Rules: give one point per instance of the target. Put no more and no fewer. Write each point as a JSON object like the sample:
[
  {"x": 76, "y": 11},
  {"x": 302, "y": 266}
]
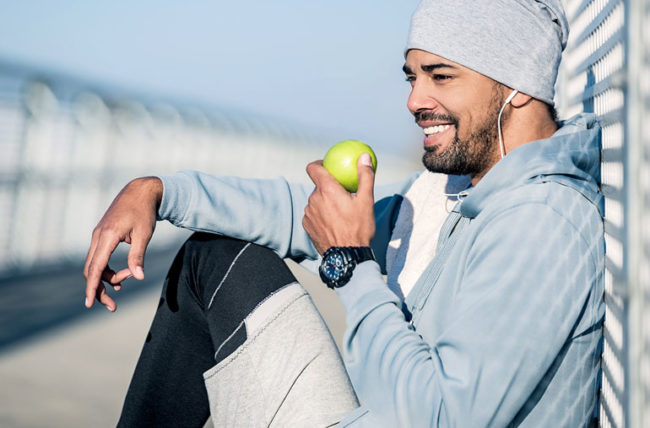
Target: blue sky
[{"x": 331, "y": 64}]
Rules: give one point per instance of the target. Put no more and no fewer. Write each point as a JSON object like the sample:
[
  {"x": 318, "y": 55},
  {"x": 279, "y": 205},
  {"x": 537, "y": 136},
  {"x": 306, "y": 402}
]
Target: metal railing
[
  {"x": 605, "y": 71},
  {"x": 67, "y": 147}
]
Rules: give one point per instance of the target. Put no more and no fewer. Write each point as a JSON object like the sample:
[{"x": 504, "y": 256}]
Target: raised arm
[
  {"x": 267, "y": 212},
  {"x": 260, "y": 211}
]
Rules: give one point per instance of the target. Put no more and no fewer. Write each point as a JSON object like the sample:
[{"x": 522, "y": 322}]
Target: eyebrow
[{"x": 428, "y": 68}]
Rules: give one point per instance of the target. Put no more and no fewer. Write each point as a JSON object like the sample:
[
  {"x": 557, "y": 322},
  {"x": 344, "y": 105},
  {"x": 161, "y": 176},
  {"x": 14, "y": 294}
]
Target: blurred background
[{"x": 93, "y": 94}]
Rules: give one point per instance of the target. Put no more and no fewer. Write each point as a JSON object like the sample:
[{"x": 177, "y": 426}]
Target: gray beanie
[{"x": 516, "y": 42}]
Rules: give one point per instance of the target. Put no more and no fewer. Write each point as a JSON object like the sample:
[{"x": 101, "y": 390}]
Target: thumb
[
  {"x": 136, "y": 256},
  {"x": 366, "y": 175}
]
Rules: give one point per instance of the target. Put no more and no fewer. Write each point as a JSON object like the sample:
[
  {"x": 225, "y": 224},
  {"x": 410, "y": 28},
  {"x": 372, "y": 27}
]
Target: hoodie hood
[{"x": 570, "y": 157}]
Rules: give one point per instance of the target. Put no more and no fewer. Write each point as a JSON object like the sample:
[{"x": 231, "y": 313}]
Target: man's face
[{"x": 457, "y": 109}]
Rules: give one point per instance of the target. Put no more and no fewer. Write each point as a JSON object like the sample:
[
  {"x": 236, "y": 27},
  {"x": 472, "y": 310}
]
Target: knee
[
  {"x": 203, "y": 247},
  {"x": 208, "y": 258},
  {"x": 203, "y": 259},
  {"x": 210, "y": 249}
]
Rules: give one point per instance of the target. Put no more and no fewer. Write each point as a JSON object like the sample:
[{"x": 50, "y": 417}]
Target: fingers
[
  {"x": 104, "y": 298},
  {"x": 91, "y": 252},
  {"x": 322, "y": 177},
  {"x": 317, "y": 172},
  {"x": 115, "y": 278},
  {"x": 98, "y": 262},
  {"x": 366, "y": 176},
  {"x": 139, "y": 242},
  {"x": 123, "y": 274}
]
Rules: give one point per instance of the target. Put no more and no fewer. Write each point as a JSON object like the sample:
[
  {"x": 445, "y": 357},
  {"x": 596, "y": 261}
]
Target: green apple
[{"x": 341, "y": 161}]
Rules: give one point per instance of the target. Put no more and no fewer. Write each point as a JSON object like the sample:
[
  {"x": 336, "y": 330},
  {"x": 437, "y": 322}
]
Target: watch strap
[{"x": 361, "y": 254}]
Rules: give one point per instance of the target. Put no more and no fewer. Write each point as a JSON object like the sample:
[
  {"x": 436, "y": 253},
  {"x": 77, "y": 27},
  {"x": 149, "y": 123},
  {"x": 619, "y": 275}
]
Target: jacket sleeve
[
  {"x": 519, "y": 297},
  {"x": 267, "y": 212}
]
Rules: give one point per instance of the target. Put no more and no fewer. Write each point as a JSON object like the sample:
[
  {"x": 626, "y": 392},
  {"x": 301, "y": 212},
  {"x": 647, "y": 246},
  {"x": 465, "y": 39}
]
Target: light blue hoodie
[{"x": 504, "y": 325}]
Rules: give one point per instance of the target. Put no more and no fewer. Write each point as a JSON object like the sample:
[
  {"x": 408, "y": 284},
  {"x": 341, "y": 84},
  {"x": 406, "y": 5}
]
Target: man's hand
[
  {"x": 131, "y": 218},
  {"x": 336, "y": 218}
]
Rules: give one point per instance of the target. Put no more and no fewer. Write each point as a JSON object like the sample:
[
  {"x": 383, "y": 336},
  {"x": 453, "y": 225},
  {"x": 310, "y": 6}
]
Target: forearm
[
  {"x": 266, "y": 212},
  {"x": 390, "y": 365}
]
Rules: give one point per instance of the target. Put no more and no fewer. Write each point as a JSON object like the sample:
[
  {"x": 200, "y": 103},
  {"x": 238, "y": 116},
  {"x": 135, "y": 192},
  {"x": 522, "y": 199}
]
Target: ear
[{"x": 520, "y": 100}]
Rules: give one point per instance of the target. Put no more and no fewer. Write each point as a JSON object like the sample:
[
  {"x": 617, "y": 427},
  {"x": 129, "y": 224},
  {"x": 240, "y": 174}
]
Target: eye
[
  {"x": 409, "y": 78},
  {"x": 441, "y": 77}
]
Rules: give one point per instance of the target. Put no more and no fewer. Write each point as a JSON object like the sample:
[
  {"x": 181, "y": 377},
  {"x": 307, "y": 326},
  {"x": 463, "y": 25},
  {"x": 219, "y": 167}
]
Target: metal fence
[
  {"x": 605, "y": 71},
  {"x": 67, "y": 147}
]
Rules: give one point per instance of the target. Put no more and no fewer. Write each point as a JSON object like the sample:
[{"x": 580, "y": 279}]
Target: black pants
[{"x": 212, "y": 285}]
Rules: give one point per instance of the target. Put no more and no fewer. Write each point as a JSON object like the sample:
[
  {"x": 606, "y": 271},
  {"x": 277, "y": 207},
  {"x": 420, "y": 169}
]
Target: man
[{"x": 501, "y": 327}]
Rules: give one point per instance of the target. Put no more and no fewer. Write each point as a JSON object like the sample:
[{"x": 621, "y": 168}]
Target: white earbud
[
  {"x": 511, "y": 96},
  {"x": 502, "y": 146}
]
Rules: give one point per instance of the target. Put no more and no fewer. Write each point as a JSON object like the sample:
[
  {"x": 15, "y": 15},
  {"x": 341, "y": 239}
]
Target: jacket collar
[{"x": 571, "y": 156}]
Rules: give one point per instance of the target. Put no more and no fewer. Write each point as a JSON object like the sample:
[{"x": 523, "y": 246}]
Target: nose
[{"x": 421, "y": 97}]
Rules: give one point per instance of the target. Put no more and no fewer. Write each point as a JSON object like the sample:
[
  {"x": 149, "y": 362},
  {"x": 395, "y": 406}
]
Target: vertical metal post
[{"x": 634, "y": 153}]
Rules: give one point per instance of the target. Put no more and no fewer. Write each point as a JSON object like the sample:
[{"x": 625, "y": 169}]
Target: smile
[{"x": 431, "y": 130}]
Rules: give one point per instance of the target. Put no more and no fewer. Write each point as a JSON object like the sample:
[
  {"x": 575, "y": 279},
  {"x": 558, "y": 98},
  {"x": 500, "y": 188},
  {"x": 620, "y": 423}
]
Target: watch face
[
  {"x": 333, "y": 266},
  {"x": 338, "y": 263}
]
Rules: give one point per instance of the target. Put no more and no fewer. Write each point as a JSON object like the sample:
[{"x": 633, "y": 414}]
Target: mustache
[{"x": 428, "y": 115}]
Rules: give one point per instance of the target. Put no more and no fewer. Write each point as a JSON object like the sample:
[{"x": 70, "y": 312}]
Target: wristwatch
[{"x": 339, "y": 262}]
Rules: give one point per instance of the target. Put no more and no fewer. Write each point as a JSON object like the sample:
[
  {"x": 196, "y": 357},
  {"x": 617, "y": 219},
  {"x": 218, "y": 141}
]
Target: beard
[{"x": 469, "y": 156}]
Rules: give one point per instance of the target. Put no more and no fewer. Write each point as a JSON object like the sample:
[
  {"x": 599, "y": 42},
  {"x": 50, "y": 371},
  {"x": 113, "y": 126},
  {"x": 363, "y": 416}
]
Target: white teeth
[{"x": 435, "y": 129}]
